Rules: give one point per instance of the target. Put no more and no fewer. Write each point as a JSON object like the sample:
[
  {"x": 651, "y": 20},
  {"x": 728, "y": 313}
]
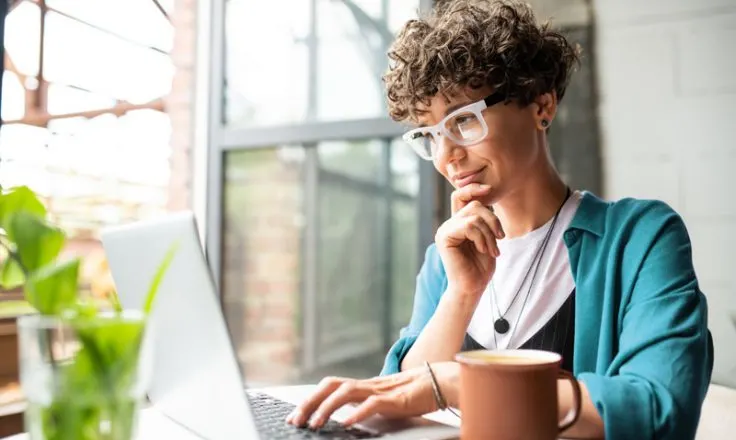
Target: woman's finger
[
  {"x": 491, "y": 220},
  {"x": 476, "y": 210},
  {"x": 348, "y": 392},
  {"x": 462, "y": 196},
  {"x": 376, "y": 404},
  {"x": 478, "y": 232},
  {"x": 479, "y": 220},
  {"x": 459, "y": 230},
  {"x": 304, "y": 411}
]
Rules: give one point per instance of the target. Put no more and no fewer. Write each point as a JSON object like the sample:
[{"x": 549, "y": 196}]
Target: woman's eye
[{"x": 465, "y": 120}]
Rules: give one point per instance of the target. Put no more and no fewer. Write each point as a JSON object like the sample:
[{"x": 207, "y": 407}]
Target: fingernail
[
  {"x": 316, "y": 423},
  {"x": 297, "y": 418}
]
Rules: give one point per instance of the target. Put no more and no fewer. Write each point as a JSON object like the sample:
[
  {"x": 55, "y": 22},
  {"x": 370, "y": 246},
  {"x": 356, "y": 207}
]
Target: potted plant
[{"x": 84, "y": 366}]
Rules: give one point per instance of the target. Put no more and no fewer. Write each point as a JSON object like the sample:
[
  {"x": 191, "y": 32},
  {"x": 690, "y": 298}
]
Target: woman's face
[{"x": 505, "y": 157}]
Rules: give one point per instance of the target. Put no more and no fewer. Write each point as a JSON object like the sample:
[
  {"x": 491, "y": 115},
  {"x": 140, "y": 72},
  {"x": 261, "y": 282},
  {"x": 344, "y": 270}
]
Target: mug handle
[{"x": 574, "y": 413}]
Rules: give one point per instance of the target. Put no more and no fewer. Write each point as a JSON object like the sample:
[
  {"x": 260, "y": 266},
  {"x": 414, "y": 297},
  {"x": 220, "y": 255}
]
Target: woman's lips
[{"x": 463, "y": 179}]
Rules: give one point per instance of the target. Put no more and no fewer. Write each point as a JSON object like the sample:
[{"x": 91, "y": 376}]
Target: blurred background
[{"x": 268, "y": 119}]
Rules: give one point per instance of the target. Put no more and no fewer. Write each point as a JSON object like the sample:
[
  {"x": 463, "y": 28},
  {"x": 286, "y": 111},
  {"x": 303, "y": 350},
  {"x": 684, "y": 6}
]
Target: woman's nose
[{"x": 447, "y": 150}]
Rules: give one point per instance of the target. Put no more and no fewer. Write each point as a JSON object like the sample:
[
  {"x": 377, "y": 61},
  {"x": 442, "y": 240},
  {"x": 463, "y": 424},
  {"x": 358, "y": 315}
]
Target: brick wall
[
  {"x": 666, "y": 86},
  {"x": 180, "y": 104},
  {"x": 261, "y": 264}
]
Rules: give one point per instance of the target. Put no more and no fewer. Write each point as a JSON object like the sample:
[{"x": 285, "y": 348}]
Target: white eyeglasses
[{"x": 465, "y": 126}]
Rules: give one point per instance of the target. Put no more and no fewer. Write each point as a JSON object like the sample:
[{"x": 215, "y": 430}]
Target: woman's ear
[{"x": 546, "y": 109}]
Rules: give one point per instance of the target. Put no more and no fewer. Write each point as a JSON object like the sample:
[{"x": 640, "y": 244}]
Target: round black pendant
[{"x": 501, "y": 325}]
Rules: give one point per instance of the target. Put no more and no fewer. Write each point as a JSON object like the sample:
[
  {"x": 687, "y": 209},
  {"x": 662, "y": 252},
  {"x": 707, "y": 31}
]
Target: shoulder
[
  {"x": 630, "y": 232},
  {"x": 645, "y": 211},
  {"x": 620, "y": 219},
  {"x": 617, "y": 220},
  {"x": 643, "y": 220},
  {"x": 651, "y": 242}
]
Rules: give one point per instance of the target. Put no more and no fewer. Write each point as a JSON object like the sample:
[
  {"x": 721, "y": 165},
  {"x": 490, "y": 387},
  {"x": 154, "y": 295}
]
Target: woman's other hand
[
  {"x": 466, "y": 242},
  {"x": 406, "y": 394}
]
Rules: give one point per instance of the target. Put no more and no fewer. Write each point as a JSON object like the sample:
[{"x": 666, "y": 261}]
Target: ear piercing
[{"x": 545, "y": 123}]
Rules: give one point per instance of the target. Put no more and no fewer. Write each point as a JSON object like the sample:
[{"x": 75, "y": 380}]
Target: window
[
  {"x": 290, "y": 61},
  {"x": 84, "y": 121},
  {"x": 324, "y": 214},
  {"x": 319, "y": 258}
]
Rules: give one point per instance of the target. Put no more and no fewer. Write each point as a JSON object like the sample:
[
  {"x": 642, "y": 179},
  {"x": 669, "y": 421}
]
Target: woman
[{"x": 609, "y": 285}]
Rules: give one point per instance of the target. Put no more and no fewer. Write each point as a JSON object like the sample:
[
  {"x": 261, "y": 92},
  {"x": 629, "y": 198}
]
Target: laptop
[{"x": 196, "y": 380}]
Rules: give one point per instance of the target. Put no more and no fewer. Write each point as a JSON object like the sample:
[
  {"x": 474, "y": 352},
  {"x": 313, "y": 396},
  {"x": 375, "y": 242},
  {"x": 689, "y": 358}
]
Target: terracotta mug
[{"x": 512, "y": 394}]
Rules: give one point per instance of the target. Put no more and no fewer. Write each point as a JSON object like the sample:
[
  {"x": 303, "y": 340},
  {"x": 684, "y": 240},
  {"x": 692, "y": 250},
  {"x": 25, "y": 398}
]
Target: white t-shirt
[{"x": 553, "y": 284}]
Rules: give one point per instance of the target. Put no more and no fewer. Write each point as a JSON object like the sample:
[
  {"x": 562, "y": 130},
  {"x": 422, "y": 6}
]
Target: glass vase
[{"x": 84, "y": 378}]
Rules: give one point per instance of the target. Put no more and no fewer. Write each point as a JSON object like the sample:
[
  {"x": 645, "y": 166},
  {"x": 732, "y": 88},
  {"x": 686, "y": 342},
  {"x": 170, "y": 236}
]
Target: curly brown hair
[{"x": 476, "y": 43}]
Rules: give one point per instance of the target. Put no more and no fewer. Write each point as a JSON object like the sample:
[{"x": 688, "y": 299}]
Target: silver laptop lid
[{"x": 196, "y": 377}]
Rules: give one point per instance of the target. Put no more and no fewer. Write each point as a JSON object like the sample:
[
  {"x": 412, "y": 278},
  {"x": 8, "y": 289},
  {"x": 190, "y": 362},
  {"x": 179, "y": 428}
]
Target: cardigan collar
[{"x": 590, "y": 215}]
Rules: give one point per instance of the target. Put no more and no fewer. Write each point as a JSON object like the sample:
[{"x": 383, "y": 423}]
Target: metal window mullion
[
  {"x": 215, "y": 172},
  {"x": 310, "y": 293},
  {"x": 45, "y": 8},
  {"x": 161, "y": 10},
  {"x": 387, "y": 242},
  {"x": 311, "y": 132},
  {"x": 363, "y": 186},
  {"x": 426, "y": 208},
  {"x": 41, "y": 98},
  {"x": 310, "y": 262}
]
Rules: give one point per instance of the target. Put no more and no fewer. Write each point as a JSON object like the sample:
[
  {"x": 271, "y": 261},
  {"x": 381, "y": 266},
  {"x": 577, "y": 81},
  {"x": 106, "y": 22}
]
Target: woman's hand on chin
[
  {"x": 405, "y": 394},
  {"x": 466, "y": 242}
]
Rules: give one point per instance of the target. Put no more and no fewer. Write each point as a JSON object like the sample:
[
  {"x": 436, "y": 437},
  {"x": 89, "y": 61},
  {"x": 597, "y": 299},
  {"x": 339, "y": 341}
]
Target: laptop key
[{"x": 269, "y": 414}]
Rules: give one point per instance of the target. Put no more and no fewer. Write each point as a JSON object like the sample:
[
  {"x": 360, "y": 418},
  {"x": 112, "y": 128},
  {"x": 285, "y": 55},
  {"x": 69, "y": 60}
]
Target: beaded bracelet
[{"x": 438, "y": 397}]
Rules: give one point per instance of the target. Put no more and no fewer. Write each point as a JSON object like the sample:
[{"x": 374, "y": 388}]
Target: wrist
[
  {"x": 460, "y": 306},
  {"x": 463, "y": 298},
  {"x": 448, "y": 379}
]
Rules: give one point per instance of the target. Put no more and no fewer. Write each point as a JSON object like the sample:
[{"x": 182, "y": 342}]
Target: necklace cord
[{"x": 536, "y": 262}]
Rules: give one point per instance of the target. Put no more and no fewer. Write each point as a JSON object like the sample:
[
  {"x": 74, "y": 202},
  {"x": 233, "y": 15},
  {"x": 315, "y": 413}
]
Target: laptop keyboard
[{"x": 269, "y": 414}]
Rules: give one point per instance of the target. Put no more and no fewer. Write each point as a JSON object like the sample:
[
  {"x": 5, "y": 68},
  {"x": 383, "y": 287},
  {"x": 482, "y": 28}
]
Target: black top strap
[{"x": 557, "y": 335}]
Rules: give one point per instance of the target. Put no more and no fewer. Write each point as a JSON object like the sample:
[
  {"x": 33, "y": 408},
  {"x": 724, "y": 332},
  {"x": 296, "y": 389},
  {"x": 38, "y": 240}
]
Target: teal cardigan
[{"x": 642, "y": 344}]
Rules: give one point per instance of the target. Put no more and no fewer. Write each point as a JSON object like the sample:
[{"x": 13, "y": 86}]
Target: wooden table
[{"x": 11, "y": 402}]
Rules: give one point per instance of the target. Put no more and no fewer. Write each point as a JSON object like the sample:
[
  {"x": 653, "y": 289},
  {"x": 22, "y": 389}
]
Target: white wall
[
  {"x": 667, "y": 84},
  {"x": 562, "y": 13}
]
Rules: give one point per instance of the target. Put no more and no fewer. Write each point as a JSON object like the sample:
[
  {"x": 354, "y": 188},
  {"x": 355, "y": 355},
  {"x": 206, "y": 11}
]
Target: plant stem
[
  {"x": 14, "y": 256},
  {"x": 49, "y": 332}
]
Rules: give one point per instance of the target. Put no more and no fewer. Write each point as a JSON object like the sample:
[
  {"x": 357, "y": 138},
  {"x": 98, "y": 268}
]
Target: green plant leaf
[
  {"x": 37, "y": 242},
  {"x": 53, "y": 288},
  {"x": 11, "y": 275},
  {"x": 158, "y": 277},
  {"x": 19, "y": 199},
  {"x": 97, "y": 386},
  {"x": 84, "y": 309},
  {"x": 115, "y": 301}
]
